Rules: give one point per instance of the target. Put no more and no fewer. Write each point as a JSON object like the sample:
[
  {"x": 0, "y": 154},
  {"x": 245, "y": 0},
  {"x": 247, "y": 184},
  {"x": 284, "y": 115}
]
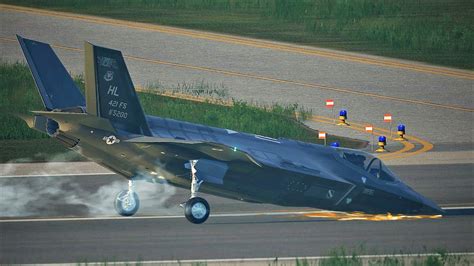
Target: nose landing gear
[
  {"x": 196, "y": 209},
  {"x": 127, "y": 202}
]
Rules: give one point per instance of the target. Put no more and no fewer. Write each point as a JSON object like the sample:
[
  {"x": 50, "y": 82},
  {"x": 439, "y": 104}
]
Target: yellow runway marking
[
  {"x": 274, "y": 80},
  {"x": 407, "y": 146},
  {"x": 247, "y": 42},
  {"x": 402, "y": 153}
]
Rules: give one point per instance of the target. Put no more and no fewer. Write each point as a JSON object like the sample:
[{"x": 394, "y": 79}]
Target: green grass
[
  {"x": 19, "y": 96},
  {"x": 338, "y": 257},
  {"x": 434, "y": 31}
]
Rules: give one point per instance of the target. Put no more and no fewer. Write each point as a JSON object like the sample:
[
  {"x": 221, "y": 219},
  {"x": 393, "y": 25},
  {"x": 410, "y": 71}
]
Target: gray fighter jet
[{"x": 109, "y": 127}]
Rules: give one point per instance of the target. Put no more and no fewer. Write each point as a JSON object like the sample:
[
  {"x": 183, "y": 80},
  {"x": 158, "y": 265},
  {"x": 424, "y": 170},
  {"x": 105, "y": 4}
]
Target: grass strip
[{"x": 433, "y": 31}]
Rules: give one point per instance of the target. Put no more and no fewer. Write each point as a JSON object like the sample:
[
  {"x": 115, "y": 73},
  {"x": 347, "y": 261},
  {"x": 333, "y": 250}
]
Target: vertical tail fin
[
  {"x": 55, "y": 85},
  {"x": 110, "y": 92}
]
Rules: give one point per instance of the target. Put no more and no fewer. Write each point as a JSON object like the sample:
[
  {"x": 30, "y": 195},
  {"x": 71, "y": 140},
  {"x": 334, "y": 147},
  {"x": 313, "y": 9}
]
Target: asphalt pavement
[
  {"x": 71, "y": 219},
  {"x": 223, "y": 237}
]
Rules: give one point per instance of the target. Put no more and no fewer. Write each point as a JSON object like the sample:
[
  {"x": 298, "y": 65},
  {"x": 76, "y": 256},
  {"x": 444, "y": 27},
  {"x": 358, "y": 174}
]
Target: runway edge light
[
  {"x": 382, "y": 143},
  {"x": 335, "y": 144},
  {"x": 401, "y": 133},
  {"x": 343, "y": 118}
]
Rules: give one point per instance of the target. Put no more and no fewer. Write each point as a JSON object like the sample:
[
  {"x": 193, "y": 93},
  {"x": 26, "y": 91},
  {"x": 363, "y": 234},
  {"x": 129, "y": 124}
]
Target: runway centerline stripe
[
  {"x": 246, "y": 42},
  {"x": 276, "y": 80}
]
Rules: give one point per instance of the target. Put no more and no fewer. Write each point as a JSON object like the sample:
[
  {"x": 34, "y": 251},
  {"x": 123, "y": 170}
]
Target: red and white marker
[
  {"x": 387, "y": 118},
  {"x": 369, "y": 129},
  {"x": 329, "y": 103},
  {"x": 322, "y": 135}
]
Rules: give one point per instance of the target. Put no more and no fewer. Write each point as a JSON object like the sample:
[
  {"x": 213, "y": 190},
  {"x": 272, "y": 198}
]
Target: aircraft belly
[
  {"x": 237, "y": 178},
  {"x": 331, "y": 194},
  {"x": 314, "y": 191}
]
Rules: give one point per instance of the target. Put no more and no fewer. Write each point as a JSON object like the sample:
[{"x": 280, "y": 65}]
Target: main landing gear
[
  {"x": 127, "y": 202},
  {"x": 196, "y": 209}
]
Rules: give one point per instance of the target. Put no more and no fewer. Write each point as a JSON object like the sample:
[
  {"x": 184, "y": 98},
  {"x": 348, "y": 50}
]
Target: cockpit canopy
[{"x": 369, "y": 163}]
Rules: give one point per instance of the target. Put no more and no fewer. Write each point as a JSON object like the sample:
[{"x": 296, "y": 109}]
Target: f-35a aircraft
[{"x": 109, "y": 127}]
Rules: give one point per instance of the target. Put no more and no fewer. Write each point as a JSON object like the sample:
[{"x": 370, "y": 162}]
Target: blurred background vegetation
[{"x": 433, "y": 31}]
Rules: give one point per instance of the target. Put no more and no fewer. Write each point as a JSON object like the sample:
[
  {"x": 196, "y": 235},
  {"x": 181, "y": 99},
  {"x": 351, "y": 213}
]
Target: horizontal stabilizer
[
  {"x": 37, "y": 122},
  {"x": 85, "y": 119},
  {"x": 146, "y": 139}
]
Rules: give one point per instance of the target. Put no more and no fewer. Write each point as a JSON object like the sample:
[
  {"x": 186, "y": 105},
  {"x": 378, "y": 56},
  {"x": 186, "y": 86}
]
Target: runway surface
[
  {"x": 235, "y": 237},
  {"x": 235, "y": 230},
  {"x": 435, "y": 103},
  {"x": 89, "y": 195}
]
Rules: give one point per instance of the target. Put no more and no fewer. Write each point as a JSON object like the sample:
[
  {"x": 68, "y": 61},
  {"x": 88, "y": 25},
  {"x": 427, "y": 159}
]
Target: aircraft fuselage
[{"x": 320, "y": 178}]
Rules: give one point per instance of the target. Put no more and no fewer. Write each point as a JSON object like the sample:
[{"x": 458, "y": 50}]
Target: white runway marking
[
  {"x": 249, "y": 214},
  {"x": 62, "y": 219},
  {"x": 265, "y": 261},
  {"x": 58, "y": 175},
  {"x": 458, "y": 208}
]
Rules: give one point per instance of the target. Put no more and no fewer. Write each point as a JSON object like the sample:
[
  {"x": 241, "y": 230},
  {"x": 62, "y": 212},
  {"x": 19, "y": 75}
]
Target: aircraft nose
[
  {"x": 427, "y": 206},
  {"x": 430, "y": 207}
]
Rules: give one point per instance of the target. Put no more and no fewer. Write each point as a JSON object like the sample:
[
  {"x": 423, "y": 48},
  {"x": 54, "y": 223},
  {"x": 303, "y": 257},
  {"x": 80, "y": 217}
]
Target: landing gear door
[{"x": 210, "y": 171}]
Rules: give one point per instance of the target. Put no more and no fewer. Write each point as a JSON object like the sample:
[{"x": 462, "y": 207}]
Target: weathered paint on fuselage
[{"x": 288, "y": 172}]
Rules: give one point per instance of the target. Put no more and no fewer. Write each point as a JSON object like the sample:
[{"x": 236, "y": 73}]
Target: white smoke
[{"x": 50, "y": 196}]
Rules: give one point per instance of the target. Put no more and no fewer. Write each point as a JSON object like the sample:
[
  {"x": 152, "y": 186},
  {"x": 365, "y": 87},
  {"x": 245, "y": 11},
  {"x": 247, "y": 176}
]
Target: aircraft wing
[
  {"x": 224, "y": 152},
  {"x": 215, "y": 150}
]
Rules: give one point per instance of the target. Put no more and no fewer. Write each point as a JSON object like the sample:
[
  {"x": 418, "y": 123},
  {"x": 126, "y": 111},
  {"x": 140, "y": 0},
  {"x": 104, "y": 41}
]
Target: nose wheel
[
  {"x": 127, "y": 201},
  {"x": 196, "y": 209}
]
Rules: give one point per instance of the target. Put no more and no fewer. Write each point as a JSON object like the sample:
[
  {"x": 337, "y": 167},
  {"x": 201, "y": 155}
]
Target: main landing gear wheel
[
  {"x": 197, "y": 210},
  {"x": 127, "y": 202}
]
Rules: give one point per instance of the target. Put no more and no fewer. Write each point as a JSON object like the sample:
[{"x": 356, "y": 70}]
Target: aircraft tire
[
  {"x": 127, "y": 203},
  {"x": 197, "y": 210}
]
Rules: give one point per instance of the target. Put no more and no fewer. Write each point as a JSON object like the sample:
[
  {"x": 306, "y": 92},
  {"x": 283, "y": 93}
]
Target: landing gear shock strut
[
  {"x": 127, "y": 202},
  {"x": 196, "y": 209}
]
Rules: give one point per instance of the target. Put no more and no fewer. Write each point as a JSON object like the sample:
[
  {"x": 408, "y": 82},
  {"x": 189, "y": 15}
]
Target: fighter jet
[{"x": 109, "y": 127}]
